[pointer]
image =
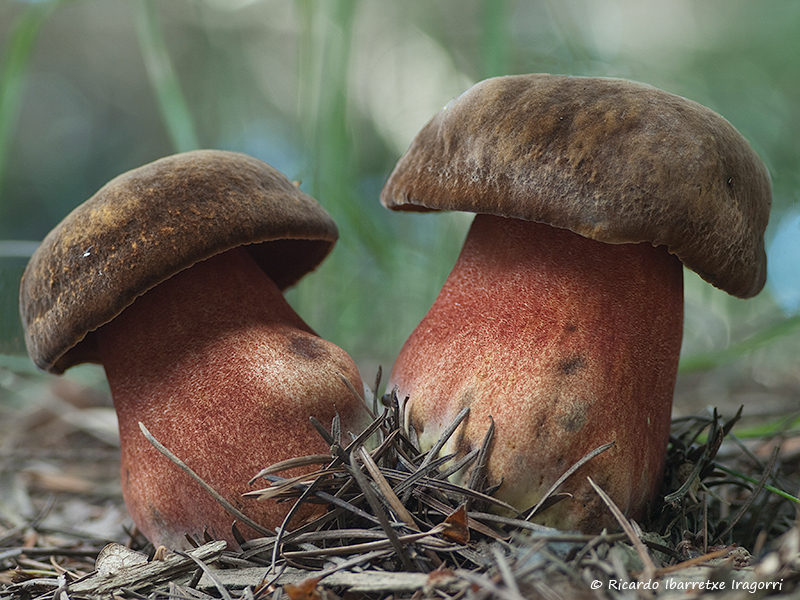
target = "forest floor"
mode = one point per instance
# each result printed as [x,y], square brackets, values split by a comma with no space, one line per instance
[733,528]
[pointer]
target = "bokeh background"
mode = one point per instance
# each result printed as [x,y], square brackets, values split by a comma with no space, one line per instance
[331,92]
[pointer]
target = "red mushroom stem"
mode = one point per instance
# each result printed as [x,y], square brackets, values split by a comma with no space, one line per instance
[225,374]
[567,343]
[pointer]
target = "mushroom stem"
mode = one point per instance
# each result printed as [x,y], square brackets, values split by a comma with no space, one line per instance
[566,343]
[225,374]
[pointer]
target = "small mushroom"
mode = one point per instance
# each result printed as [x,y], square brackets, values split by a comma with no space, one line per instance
[171,276]
[562,318]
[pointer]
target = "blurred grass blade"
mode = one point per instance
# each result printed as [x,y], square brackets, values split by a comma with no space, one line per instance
[782,426]
[16,53]
[325,53]
[711,360]
[753,480]
[171,103]
[495,38]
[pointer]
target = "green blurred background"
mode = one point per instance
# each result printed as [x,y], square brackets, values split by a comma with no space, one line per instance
[331,92]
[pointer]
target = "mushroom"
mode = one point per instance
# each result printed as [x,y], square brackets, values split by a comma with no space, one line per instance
[171,276]
[561,321]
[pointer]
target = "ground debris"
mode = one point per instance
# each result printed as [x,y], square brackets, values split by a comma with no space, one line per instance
[397,527]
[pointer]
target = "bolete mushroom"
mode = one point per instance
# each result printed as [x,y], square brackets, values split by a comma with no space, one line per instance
[171,276]
[562,318]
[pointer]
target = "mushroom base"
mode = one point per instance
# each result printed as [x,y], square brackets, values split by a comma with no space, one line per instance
[566,344]
[224,373]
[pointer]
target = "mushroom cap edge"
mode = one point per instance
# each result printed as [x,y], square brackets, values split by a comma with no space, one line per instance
[149,223]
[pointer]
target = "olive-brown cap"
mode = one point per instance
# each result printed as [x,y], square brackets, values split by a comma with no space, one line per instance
[612,160]
[148,224]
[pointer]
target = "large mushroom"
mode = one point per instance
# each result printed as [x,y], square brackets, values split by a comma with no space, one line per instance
[171,276]
[562,318]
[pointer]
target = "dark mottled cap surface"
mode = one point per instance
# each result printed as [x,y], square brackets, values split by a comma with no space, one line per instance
[612,160]
[150,223]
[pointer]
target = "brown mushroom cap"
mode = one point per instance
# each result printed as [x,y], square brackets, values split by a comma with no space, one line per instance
[148,224]
[612,160]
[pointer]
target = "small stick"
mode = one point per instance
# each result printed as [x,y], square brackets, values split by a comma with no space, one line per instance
[364,547]
[478,474]
[692,562]
[445,436]
[291,463]
[764,477]
[364,484]
[209,573]
[434,451]
[649,567]
[142,575]
[386,489]
[186,469]
[378,377]
[351,387]
[564,477]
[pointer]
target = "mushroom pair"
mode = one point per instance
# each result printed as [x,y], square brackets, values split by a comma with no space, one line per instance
[171,276]
[561,321]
